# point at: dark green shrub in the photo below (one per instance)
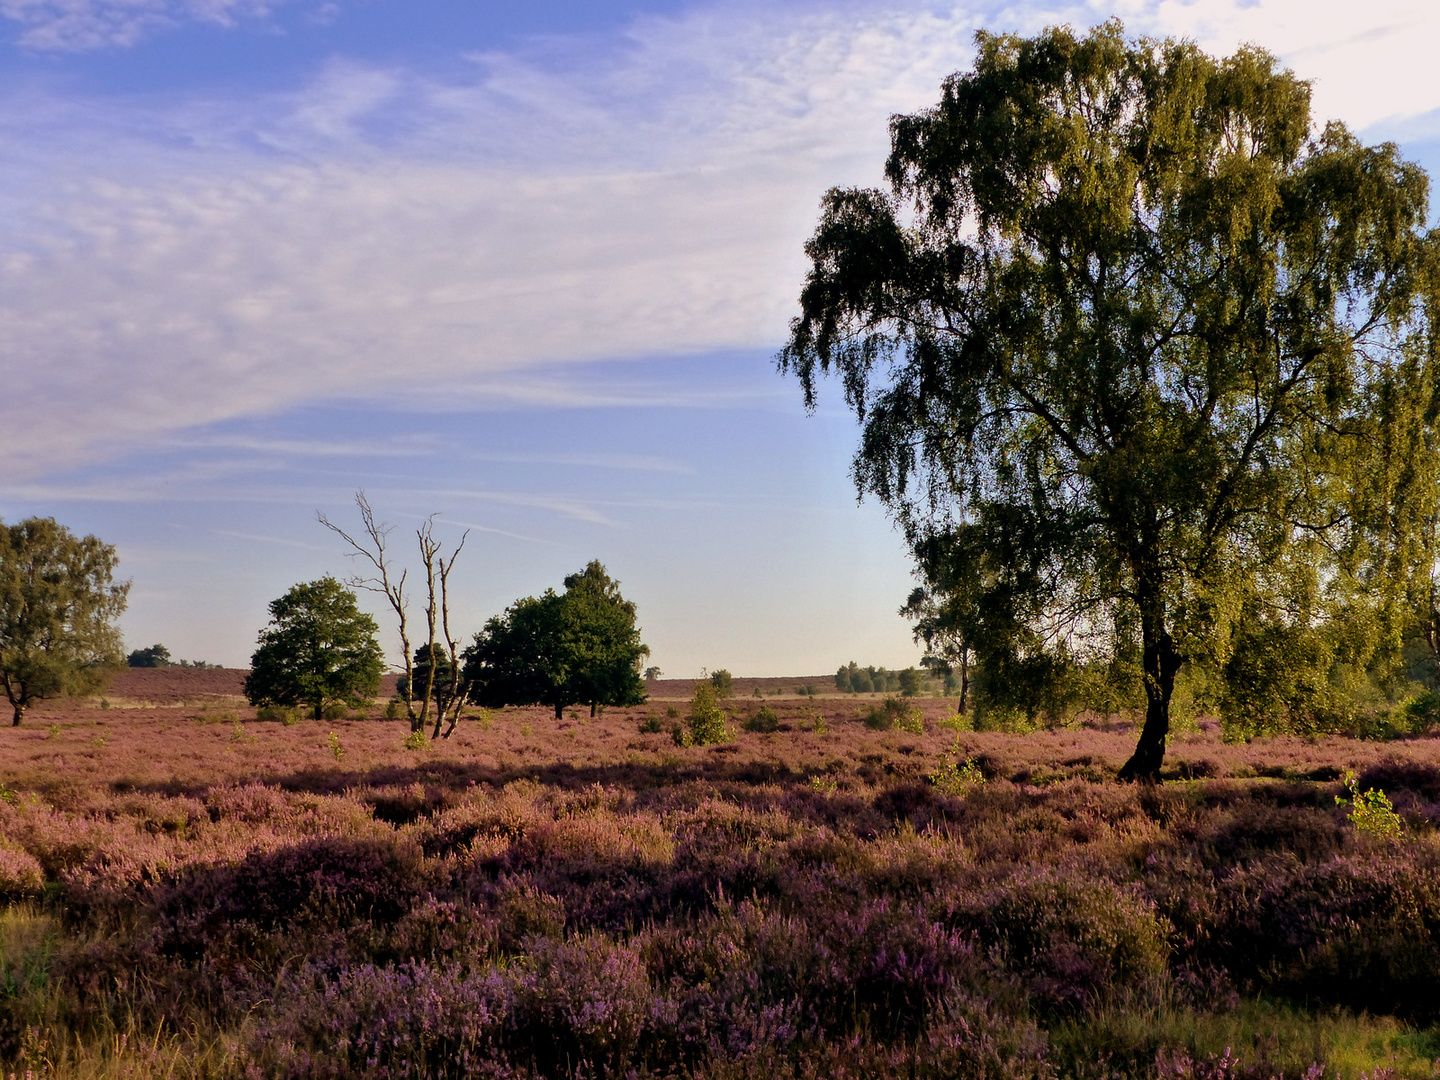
(893, 713)
(763, 719)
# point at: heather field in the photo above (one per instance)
(194, 892)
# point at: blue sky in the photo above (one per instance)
(521, 265)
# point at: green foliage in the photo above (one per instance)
(58, 606)
(651, 725)
(318, 651)
(723, 682)
(852, 678)
(1370, 811)
(417, 740)
(1142, 357)
(762, 719)
(1423, 712)
(285, 714)
(708, 722)
(910, 682)
(956, 775)
(333, 741)
(892, 713)
(443, 690)
(579, 647)
(154, 656)
(957, 722)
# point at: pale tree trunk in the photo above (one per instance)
(392, 588)
(453, 699)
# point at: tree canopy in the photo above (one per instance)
(58, 604)
(1144, 362)
(156, 655)
(577, 647)
(318, 650)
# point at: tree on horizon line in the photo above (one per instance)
(1143, 361)
(58, 604)
(581, 646)
(318, 650)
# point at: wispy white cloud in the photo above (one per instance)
(473, 526)
(280, 541)
(648, 463)
(81, 25)
(381, 233)
(409, 446)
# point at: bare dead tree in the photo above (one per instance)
(449, 699)
(371, 547)
(446, 697)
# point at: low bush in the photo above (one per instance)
(285, 714)
(1074, 942)
(709, 723)
(894, 713)
(763, 719)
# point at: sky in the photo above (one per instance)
(523, 266)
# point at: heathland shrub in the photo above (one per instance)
(763, 719)
(20, 874)
(708, 722)
(1359, 931)
(893, 713)
(321, 882)
(957, 775)
(1073, 941)
(285, 714)
(1370, 810)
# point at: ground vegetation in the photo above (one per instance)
(815, 895)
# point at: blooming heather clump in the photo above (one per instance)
(20, 874)
(814, 901)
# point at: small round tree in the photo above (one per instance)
(318, 650)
